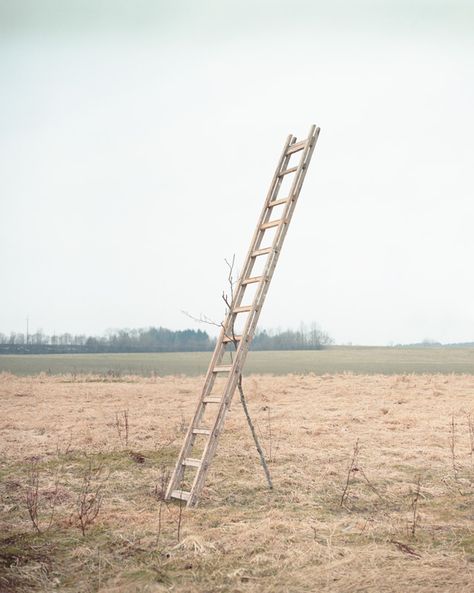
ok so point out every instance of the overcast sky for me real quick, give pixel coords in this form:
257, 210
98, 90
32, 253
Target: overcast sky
138, 140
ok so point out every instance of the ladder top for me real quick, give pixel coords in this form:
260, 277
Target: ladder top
296, 147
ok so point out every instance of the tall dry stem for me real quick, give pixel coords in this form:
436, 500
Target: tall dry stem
452, 446
415, 497
470, 426
350, 470
122, 426
32, 494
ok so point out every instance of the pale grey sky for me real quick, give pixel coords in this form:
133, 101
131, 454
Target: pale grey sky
138, 139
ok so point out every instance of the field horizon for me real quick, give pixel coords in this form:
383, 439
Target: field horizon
334, 359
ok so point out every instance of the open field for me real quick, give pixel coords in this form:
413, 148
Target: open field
355, 359
405, 522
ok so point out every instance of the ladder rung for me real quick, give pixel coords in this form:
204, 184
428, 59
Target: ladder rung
258, 252
288, 171
201, 431
296, 147
272, 223
277, 202
245, 309
227, 339
252, 280
212, 400
222, 368
181, 494
190, 462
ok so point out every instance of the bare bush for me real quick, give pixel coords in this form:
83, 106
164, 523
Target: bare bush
91, 496
38, 503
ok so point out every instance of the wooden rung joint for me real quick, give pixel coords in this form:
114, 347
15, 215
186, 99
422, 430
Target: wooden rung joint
252, 280
258, 252
271, 224
205, 431
227, 339
245, 309
190, 462
278, 202
297, 147
288, 171
180, 494
212, 400
222, 368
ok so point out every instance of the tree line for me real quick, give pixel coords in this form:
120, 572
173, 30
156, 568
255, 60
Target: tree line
156, 339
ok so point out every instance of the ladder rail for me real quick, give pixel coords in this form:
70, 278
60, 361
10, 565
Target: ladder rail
283, 228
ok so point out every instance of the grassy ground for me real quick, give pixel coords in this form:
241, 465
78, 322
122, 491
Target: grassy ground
374, 486
332, 360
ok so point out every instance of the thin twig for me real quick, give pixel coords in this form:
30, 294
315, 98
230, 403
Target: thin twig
352, 467
414, 506
470, 426
452, 445
32, 494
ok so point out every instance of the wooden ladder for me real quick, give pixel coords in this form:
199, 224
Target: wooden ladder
201, 438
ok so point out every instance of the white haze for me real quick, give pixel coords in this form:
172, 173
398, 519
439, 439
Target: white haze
136, 148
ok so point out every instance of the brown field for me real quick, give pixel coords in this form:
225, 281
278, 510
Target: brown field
406, 522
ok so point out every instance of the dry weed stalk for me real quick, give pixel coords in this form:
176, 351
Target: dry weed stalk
351, 469
160, 492
415, 497
180, 512
470, 426
270, 435
32, 494
452, 446
122, 426
369, 483
91, 496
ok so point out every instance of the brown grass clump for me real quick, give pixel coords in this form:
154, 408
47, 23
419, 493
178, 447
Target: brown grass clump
373, 486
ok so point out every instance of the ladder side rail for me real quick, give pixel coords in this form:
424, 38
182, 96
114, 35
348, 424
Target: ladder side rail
279, 236
300, 175
272, 192
190, 437
226, 330
273, 258
211, 444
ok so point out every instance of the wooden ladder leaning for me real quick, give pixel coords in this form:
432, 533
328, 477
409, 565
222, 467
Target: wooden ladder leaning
202, 436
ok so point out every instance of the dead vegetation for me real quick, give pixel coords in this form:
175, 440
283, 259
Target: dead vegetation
373, 487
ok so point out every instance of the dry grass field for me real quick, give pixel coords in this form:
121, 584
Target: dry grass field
374, 484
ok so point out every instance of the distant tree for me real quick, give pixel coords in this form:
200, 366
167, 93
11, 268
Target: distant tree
92, 345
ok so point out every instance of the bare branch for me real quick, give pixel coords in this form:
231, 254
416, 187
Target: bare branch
202, 319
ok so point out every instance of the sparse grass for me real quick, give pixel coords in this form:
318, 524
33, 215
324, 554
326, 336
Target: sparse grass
356, 359
405, 525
